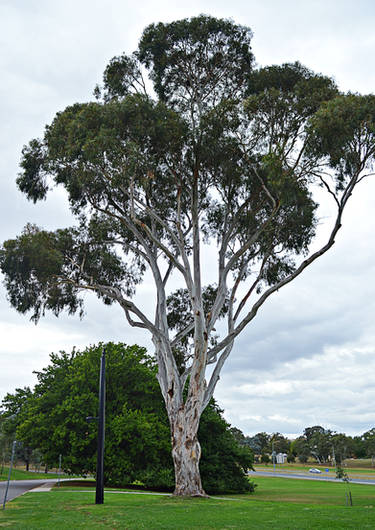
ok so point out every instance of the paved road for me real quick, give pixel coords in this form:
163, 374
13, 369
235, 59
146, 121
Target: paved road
17, 487
309, 477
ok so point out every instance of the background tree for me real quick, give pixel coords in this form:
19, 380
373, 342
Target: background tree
279, 443
358, 447
221, 154
260, 442
342, 447
301, 449
137, 435
5, 445
319, 441
369, 441
15, 406
239, 436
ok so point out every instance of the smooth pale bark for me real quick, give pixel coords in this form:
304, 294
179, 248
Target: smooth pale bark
186, 453
184, 417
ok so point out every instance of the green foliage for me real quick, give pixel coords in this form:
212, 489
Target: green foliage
279, 443
343, 130
342, 446
201, 55
238, 436
52, 418
358, 447
301, 449
240, 133
224, 462
319, 441
368, 439
301, 90
121, 76
260, 443
14, 413
66, 394
323, 445
38, 260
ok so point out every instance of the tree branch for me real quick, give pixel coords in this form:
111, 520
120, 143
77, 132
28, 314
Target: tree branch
215, 376
182, 334
331, 240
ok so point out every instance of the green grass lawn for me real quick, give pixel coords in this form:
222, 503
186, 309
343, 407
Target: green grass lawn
313, 492
20, 474
277, 503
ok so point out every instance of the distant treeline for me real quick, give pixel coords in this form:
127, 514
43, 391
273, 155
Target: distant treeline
316, 442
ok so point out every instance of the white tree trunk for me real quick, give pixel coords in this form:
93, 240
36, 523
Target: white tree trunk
186, 452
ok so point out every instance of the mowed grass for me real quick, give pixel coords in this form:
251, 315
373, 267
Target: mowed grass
20, 474
277, 503
313, 492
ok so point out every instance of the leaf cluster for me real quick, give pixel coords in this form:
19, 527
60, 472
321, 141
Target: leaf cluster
44, 270
343, 130
199, 59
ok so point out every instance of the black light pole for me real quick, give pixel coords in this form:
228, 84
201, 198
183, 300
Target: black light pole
99, 499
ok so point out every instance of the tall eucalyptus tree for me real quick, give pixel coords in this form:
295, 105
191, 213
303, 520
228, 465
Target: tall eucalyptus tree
207, 150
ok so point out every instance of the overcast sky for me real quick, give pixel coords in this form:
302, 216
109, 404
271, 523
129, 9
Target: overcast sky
309, 358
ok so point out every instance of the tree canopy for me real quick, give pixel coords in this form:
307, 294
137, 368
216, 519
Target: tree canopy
208, 152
